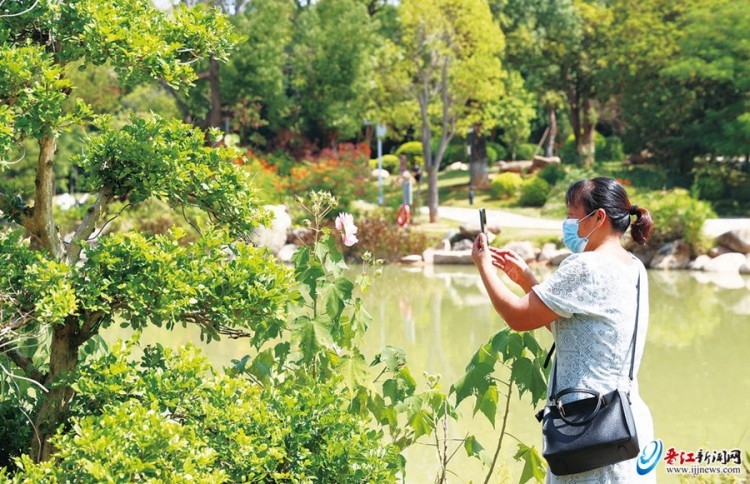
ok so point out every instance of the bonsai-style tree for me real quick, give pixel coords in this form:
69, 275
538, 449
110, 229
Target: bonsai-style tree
58, 292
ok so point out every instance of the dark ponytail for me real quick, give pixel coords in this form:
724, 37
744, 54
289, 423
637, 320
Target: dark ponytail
610, 195
643, 225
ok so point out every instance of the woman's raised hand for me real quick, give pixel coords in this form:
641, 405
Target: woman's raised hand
514, 266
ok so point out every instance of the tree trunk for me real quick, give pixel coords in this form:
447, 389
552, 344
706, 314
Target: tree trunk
429, 163
63, 359
552, 135
42, 225
478, 164
587, 146
214, 116
575, 118
369, 133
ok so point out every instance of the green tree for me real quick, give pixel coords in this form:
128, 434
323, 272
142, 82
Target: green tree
452, 53
331, 66
515, 113
48, 287
254, 81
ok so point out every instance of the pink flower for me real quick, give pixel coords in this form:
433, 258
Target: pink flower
345, 225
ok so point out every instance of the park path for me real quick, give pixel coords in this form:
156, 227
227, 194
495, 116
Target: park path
712, 227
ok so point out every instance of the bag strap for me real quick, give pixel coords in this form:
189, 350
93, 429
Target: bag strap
635, 341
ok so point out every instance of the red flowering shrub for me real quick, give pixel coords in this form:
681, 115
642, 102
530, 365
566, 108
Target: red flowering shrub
343, 172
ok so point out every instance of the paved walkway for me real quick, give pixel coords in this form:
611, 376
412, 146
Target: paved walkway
712, 227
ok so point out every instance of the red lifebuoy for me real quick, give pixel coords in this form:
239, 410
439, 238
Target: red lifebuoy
403, 215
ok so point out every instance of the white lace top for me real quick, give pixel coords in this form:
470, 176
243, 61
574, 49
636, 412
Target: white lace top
595, 296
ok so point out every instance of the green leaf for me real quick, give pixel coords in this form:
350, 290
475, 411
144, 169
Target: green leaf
393, 358
312, 335
534, 466
384, 414
353, 368
487, 403
476, 379
515, 346
474, 448
422, 423
528, 376
499, 342
336, 295
401, 386
262, 366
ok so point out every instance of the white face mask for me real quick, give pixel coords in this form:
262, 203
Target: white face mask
571, 239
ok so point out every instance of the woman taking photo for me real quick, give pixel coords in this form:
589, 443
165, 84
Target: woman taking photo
589, 304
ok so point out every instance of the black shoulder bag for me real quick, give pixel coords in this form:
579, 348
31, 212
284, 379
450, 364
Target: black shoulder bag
591, 432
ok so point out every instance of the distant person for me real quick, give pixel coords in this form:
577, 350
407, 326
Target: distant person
588, 304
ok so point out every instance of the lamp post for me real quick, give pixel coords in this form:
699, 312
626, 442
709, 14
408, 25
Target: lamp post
380, 131
470, 152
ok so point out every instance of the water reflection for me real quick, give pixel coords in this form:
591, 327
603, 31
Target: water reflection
692, 375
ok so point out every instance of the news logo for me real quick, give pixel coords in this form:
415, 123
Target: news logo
649, 457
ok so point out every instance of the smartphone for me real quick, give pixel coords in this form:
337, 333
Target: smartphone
483, 220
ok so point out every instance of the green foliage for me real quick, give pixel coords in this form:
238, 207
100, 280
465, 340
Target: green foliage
166, 159
15, 430
505, 185
333, 41
500, 152
156, 281
390, 163
171, 417
677, 215
413, 151
515, 112
522, 360
534, 192
525, 151
612, 150
552, 173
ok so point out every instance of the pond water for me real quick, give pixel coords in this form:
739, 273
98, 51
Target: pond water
693, 375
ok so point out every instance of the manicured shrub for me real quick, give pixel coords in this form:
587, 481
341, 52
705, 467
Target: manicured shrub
525, 151
411, 149
677, 215
506, 185
491, 154
500, 152
390, 164
534, 192
552, 173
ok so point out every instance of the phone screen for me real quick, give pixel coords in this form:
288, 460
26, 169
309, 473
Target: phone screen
483, 220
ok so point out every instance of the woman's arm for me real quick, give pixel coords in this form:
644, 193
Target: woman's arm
521, 313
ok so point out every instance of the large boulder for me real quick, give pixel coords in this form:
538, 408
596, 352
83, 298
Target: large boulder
559, 256
548, 251
539, 162
726, 263
524, 249
514, 166
699, 263
745, 267
451, 257
737, 240
674, 255
457, 166
273, 237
